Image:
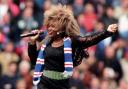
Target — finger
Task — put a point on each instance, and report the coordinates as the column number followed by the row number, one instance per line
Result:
column 37, row 35
column 113, row 30
column 115, row 25
column 35, row 31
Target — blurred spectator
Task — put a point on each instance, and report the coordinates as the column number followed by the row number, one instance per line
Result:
column 123, row 84
column 80, row 20
column 122, row 9
column 89, row 17
column 78, row 7
column 112, row 63
column 119, row 46
column 21, row 47
column 80, row 78
column 103, row 2
column 95, row 83
column 116, row 3
column 121, row 12
column 39, row 2
column 97, row 68
column 2, row 39
column 7, row 55
column 3, row 8
column 124, row 64
column 8, row 5
column 27, row 20
column 86, row 75
column 109, row 74
column 5, row 26
column 75, row 81
column 29, row 4
column 123, row 26
column 9, row 79
column 38, row 11
column 47, row 4
column 25, row 4
column 104, row 84
column 21, row 84
column 24, row 71
column 100, row 10
column 13, row 8
column 109, row 16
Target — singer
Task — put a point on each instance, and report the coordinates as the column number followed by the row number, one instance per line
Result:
column 61, row 49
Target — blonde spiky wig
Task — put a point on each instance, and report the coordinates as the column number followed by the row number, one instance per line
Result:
column 63, row 19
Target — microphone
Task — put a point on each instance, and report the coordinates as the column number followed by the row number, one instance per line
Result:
column 32, row 34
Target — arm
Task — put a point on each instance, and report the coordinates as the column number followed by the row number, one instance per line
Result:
column 94, row 38
column 84, row 42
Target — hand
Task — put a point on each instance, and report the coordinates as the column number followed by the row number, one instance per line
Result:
column 112, row 28
column 33, row 39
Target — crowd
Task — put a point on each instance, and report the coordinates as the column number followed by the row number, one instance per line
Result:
column 107, row 65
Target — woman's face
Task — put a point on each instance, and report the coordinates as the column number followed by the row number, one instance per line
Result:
column 52, row 30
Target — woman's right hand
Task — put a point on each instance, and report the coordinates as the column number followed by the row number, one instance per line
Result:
column 33, row 39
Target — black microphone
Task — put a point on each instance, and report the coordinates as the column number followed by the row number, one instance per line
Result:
column 31, row 34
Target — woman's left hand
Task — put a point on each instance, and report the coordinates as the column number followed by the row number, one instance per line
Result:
column 112, row 28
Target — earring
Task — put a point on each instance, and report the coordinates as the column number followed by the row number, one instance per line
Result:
column 58, row 33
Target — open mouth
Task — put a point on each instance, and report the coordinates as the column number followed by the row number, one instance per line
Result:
column 50, row 32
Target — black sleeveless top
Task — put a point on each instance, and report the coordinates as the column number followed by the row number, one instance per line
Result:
column 54, row 58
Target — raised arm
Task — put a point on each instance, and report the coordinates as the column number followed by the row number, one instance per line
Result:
column 95, row 37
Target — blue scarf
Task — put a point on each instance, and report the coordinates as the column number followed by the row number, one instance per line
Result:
column 68, row 61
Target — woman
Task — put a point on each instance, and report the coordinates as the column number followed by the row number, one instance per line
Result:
column 61, row 49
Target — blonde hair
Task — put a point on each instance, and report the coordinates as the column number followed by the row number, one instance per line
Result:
column 63, row 18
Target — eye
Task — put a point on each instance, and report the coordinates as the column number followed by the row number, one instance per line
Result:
column 53, row 26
